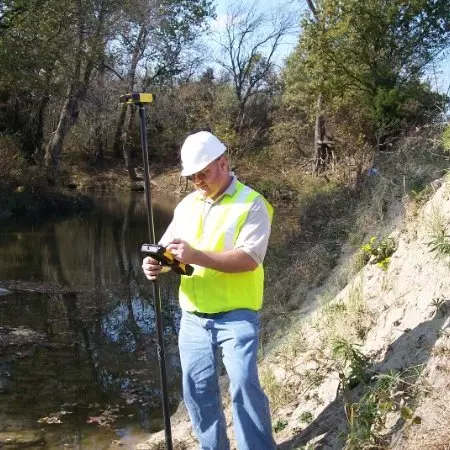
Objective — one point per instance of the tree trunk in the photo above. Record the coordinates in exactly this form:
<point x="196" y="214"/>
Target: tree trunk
<point x="85" y="56"/>
<point x="119" y="144"/>
<point x="68" y="116"/>
<point x="118" y="138"/>
<point x="130" y="162"/>
<point x="99" y="146"/>
<point x="324" y="153"/>
<point x="39" y="134"/>
<point x="319" y="138"/>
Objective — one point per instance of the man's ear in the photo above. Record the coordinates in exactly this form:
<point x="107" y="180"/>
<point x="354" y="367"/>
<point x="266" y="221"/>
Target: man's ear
<point x="224" y="162"/>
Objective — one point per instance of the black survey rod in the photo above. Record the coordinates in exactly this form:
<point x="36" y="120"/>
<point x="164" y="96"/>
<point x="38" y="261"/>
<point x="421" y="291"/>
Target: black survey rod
<point x="156" y="290"/>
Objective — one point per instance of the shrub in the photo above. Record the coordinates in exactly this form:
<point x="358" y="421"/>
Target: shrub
<point x="379" y="251"/>
<point x="446" y="139"/>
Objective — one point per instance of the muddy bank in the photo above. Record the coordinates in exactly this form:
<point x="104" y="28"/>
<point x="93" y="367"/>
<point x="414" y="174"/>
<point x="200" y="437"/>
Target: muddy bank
<point x="21" y="439"/>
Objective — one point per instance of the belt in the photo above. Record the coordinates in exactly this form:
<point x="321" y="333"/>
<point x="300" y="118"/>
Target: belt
<point x="206" y="315"/>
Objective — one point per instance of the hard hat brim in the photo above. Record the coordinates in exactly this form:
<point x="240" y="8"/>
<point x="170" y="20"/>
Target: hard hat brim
<point x="191" y="171"/>
<point x="197" y="168"/>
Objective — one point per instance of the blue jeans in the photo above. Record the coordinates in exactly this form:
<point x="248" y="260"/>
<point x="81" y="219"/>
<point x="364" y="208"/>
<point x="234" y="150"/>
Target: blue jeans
<point x="236" y="333"/>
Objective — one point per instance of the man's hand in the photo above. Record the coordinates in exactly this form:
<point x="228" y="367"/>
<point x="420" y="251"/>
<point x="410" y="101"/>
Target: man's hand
<point x="151" y="268"/>
<point x="182" y="251"/>
<point x="230" y="261"/>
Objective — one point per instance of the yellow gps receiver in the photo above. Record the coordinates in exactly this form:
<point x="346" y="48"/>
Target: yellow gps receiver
<point x="166" y="258"/>
<point x="136" y="98"/>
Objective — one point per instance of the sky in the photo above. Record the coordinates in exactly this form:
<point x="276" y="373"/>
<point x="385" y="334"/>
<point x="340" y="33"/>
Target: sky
<point x="266" y="6"/>
<point x="439" y="74"/>
<point x="442" y="80"/>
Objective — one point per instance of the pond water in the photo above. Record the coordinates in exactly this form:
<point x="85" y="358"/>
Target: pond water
<point x="78" y="362"/>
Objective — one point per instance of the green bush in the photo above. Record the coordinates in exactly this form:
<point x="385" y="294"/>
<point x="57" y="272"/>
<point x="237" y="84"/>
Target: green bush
<point x="379" y="251"/>
<point x="446" y="139"/>
<point x="440" y="243"/>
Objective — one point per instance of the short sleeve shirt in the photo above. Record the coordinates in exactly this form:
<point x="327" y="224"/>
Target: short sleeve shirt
<point x="254" y="235"/>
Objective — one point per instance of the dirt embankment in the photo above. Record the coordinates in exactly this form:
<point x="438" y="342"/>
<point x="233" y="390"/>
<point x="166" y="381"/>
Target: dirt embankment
<point x="368" y="369"/>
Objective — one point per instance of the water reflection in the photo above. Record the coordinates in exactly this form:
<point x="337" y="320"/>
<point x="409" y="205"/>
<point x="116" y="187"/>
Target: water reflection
<point x="84" y="357"/>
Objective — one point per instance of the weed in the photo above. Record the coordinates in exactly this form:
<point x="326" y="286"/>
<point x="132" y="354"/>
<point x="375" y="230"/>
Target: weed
<point x="366" y="419"/>
<point x="440" y="243"/>
<point x="439" y="303"/>
<point x="379" y="251"/>
<point x="351" y="364"/>
<point x="441" y="351"/>
<point x="279" y="425"/>
<point x="445" y="139"/>
<point x="437" y="227"/>
<point x="313" y="378"/>
<point x="306" y="417"/>
<point x="444" y="333"/>
<point x="279" y="392"/>
<point x="421" y="196"/>
<point x="307" y="447"/>
<point x="357" y="311"/>
<point x="353" y="312"/>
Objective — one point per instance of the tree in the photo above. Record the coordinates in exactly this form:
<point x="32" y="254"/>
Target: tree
<point x="369" y="59"/>
<point x="248" y="47"/>
<point x="88" y="30"/>
<point x="58" y="53"/>
<point x="152" y="38"/>
<point x="323" y="154"/>
<point x="29" y="48"/>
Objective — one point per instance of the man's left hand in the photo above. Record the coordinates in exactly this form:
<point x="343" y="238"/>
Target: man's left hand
<point x="182" y="251"/>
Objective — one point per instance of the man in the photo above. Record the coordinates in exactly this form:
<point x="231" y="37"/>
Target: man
<point x="222" y="229"/>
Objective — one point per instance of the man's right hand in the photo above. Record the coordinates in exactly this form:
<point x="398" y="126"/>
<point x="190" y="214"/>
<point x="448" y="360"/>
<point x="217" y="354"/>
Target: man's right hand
<point x="151" y="268"/>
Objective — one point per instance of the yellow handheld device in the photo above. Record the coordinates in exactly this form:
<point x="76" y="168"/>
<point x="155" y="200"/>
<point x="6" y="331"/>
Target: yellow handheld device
<point x="166" y="258"/>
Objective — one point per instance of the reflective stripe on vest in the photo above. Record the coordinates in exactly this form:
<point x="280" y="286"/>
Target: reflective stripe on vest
<point x="209" y="290"/>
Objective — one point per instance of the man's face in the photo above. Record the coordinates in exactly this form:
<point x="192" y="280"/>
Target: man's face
<point x="213" y="179"/>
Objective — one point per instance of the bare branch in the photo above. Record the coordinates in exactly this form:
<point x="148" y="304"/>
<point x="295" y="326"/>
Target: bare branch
<point x="248" y="47"/>
<point x="313" y="9"/>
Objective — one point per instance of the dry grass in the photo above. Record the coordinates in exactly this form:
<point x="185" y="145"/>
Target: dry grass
<point x="319" y="220"/>
<point x="14" y="169"/>
<point x="352" y="311"/>
<point x="280" y="392"/>
<point x="333" y="222"/>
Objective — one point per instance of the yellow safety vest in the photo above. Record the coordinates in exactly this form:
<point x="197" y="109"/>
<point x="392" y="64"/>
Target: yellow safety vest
<point x="209" y="290"/>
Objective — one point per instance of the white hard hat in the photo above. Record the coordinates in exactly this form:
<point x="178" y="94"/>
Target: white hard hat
<point x="198" y="151"/>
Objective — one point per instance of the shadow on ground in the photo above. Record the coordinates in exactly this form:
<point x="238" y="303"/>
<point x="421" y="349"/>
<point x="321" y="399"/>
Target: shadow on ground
<point x="412" y="348"/>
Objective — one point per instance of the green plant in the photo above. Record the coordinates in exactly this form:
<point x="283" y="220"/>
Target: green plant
<point x="390" y="392"/>
<point x="445" y="139"/>
<point x="437" y="226"/>
<point x="279" y="392"/>
<point x="351" y="364"/>
<point x="306" y="417"/>
<point x="379" y="251"/>
<point x="421" y="195"/>
<point x="313" y="378"/>
<point x="279" y="425"/>
<point x="440" y="243"/>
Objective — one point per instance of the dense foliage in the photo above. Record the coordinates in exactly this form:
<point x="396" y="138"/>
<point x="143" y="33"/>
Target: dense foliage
<point x="368" y="60"/>
<point x="65" y="63"/>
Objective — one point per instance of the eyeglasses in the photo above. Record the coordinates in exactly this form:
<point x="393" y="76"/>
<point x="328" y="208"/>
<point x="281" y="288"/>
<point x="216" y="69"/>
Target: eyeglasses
<point x="203" y="174"/>
<point x="199" y="175"/>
